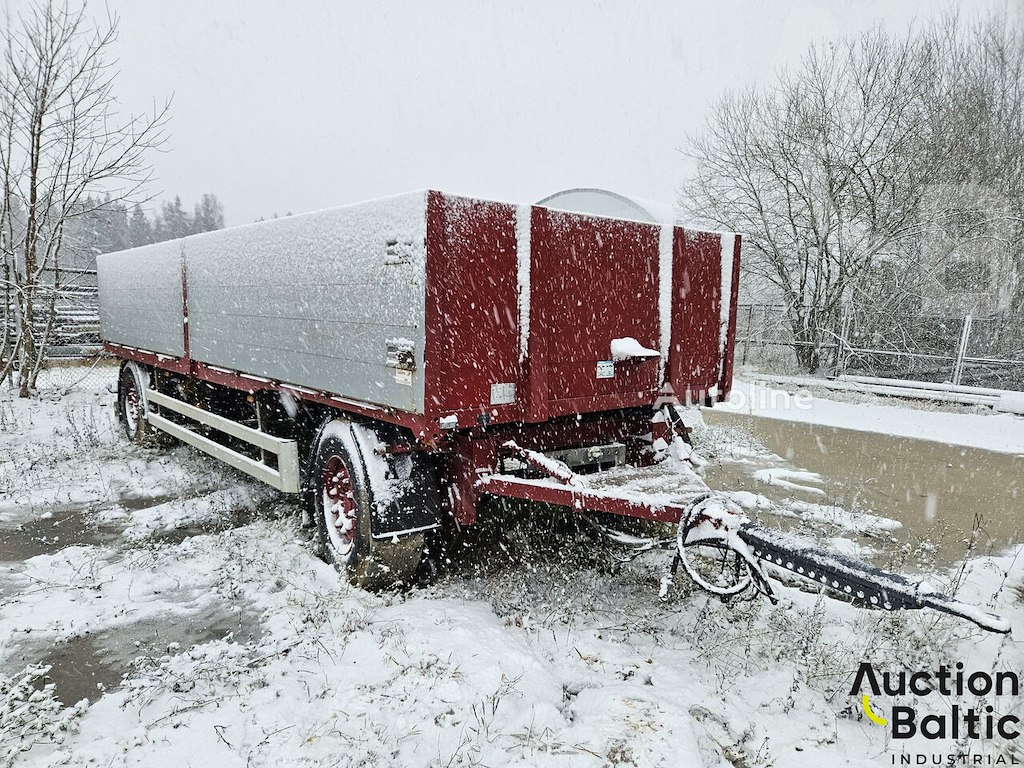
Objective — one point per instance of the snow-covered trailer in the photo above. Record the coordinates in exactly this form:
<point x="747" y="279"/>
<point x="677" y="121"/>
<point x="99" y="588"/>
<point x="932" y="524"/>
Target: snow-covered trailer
<point x="436" y="312"/>
<point x="398" y="359"/>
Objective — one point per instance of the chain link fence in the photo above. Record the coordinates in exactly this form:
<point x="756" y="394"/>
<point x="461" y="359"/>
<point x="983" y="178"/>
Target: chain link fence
<point x="74" y="355"/>
<point x="95" y="373"/>
<point x="978" y="350"/>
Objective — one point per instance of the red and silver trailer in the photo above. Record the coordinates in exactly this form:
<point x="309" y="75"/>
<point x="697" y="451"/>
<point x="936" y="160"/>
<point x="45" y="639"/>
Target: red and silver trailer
<point x="399" y="359"/>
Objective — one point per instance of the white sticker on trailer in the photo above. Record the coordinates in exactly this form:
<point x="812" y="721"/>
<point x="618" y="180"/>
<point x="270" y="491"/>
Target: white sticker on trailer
<point x="403" y="377"/>
<point x="503" y="394"/>
<point x="606" y="369"/>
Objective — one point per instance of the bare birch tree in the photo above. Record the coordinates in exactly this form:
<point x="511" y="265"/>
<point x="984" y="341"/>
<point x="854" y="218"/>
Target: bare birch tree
<point x="62" y="137"/>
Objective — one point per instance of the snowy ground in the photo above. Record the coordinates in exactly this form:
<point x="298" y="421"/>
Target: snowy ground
<point x="975" y="427"/>
<point x="238" y="647"/>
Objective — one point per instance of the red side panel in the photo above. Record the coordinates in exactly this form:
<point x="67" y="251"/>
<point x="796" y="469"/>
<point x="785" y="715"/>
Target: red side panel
<point x="725" y="384"/>
<point x="696" y="305"/>
<point x="594" y="280"/>
<point x="472" y="334"/>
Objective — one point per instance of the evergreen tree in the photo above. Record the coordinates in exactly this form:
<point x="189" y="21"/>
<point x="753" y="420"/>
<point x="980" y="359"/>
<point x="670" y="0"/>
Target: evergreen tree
<point x="209" y="214"/>
<point x="140" y="231"/>
<point x="113" y="218"/>
<point x="175" y="220"/>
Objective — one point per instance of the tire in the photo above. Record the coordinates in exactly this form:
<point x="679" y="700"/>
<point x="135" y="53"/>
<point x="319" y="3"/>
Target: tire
<point x="342" y="496"/>
<point x="131" y="402"/>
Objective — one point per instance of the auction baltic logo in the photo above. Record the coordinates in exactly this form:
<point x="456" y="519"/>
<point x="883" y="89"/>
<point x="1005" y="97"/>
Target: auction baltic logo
<point x="960" y="723"/>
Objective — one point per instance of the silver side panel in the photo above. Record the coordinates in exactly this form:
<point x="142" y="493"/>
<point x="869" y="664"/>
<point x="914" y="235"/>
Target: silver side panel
<point x="312" y="300"/>
<point x="141" y="298"/>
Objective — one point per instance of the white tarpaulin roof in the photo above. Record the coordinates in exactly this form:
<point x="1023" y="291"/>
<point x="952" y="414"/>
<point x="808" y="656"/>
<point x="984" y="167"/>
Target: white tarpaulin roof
<point x="601" y="202"/>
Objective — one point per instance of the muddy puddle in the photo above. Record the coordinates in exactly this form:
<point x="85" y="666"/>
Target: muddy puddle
<point x="86" y="666"/>
<point x="54" y="532"/>
<point x="97" y="525"/>
<point x="67" y="526"/>
<point x="935" y="490"/>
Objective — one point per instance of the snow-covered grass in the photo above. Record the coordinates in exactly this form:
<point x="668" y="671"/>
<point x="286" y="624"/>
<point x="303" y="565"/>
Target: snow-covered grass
<point x="66" y="451"/>
<point x="534" y="647"/>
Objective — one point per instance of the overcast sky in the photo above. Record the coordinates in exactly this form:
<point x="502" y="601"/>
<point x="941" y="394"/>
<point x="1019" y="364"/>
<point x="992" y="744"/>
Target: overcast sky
<point x="304" y="105"/>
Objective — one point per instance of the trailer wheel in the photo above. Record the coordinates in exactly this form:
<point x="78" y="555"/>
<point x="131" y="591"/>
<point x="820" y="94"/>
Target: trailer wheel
<point x="342" y="506"/>
<point x="131" y="402"/>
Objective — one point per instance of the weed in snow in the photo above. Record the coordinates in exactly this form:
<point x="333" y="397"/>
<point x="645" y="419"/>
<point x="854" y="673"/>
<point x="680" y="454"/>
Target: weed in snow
<point x="31" y="715"/>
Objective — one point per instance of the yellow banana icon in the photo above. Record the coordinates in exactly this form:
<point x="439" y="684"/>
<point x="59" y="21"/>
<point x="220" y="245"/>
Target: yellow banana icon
<point x="866" y="706"/>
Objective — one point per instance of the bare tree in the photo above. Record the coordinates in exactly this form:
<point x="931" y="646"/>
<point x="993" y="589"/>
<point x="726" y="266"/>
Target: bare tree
<point x="984" y="137"/>
<point x="967" y="255"/>
<point x="860" y="161"/>
<point x="62" y="137"/>
<point x="820" y="172"/>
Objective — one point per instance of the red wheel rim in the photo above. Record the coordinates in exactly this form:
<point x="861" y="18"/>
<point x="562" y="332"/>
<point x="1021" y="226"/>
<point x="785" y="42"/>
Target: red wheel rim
<point x="339" y="505"/>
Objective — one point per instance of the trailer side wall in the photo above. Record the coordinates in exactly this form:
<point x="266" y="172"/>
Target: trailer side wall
<point x="314" y="300"/>
<point x="472" y="310"/>
<point x="141" y="298"/>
